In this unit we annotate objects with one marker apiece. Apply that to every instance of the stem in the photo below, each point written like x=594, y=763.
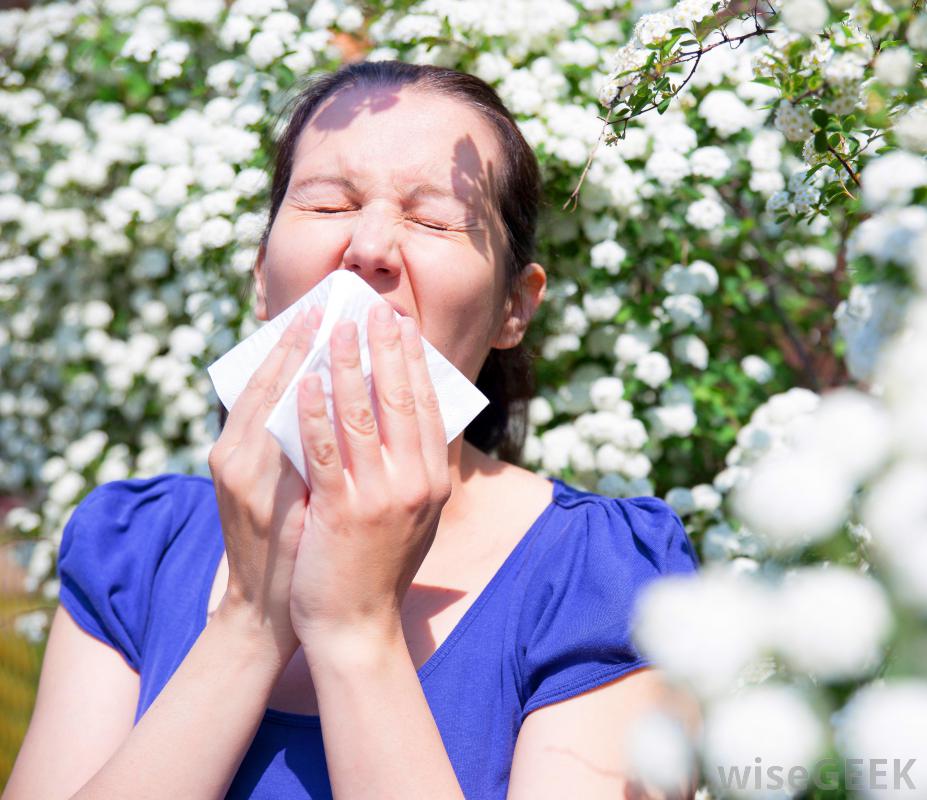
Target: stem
x=574, y=196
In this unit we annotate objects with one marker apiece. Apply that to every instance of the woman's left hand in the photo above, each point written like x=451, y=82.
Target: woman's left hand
x=377, y=488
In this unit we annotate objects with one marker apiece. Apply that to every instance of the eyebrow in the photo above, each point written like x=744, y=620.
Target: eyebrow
x=419, y=190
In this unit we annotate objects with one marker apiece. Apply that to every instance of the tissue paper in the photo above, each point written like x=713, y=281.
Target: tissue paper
x=343, y=295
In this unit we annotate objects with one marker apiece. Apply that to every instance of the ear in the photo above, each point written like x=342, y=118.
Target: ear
x=260, y=306
x=521, y=306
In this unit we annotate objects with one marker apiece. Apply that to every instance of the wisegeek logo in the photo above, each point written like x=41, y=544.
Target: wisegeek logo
x=860, y=773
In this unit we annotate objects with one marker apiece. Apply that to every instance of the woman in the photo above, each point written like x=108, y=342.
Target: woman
x=447, y=624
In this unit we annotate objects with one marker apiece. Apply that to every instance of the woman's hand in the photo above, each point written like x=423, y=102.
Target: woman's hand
x=262, y=499
x=378, y=484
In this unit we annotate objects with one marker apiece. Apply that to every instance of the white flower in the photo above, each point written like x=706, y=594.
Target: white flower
x=80, y=453
x=607, y=393
x=699, y=277
x=710, y=162
x=772, y=723
x=804, y=16
x=887, y=721
x=756, y=368
x=653, y=28
x=673, y=419
x=264, y=48
x=889, y=179
x=668, y=167
x=794, y=121
x=97, y=314
x=894, y=66
x=660, y=753
x=65, y=490
x=691, y=350
x=540, y=411
x=705, y=214
x=216, y=232
x=204, y=11
x=602, y=305
x=636, y=341
x=727, y=114
x=793, y=499
x=608, y=255
x=683, y=309
x=917, y=32
x=911, y=127
x=831, y=621
x=653, y=369
x=702, y=629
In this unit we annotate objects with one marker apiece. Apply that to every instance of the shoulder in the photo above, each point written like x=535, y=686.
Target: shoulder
x=154, y=507
x=641, y=535
x=111, y=549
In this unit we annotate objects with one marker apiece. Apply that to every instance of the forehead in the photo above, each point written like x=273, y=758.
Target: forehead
x=400, y=137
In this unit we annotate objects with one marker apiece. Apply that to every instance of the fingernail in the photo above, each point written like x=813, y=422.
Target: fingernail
x=347, y=330
x=383, y=312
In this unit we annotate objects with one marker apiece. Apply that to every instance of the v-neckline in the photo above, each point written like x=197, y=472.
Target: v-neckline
x=314, y=720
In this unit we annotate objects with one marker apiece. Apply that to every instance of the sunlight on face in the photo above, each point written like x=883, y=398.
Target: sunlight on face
x=396, y=185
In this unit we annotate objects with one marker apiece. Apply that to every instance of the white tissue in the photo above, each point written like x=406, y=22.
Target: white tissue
x=343, y=295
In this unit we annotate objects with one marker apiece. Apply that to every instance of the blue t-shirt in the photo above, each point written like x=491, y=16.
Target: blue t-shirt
x=138, y=558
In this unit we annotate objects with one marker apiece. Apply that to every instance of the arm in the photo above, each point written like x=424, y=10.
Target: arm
x=193, y=737
x=376, y=721
x=578, y=747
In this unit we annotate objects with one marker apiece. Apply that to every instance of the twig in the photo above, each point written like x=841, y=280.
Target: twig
x=846, y=166
x=574, y=196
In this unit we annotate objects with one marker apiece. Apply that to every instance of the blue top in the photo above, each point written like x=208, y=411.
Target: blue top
x=138, y=558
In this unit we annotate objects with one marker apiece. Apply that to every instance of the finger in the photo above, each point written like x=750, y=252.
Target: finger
x=395, y=399
x=320, y=448
x=353, y=410
x=266, y=385
x=427, y=410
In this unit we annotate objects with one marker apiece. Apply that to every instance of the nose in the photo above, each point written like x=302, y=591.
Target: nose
x=373, y=250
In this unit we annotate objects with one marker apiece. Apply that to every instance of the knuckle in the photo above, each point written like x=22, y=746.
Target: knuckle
x=273, y=392
x=415, y=497
x=401, y=399
x=390, y=341
x=359, y=420
x=349, y=360
x=323, y=453
x=428, y=399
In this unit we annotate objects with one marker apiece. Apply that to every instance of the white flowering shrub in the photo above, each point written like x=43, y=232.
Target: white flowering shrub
x=735, y=236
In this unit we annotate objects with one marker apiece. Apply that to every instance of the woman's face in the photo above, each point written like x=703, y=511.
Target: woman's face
x=396, y=185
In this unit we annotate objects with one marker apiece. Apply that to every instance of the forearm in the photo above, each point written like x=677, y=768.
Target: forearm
x=381, y=740
x=191, y=740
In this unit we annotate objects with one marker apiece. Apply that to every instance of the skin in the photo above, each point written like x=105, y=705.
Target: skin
x=437, y=259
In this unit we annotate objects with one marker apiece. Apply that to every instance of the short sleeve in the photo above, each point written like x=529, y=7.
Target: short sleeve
x=574, y=629
x=110, y=549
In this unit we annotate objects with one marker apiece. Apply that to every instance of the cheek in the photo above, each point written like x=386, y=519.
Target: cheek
x=298, y=257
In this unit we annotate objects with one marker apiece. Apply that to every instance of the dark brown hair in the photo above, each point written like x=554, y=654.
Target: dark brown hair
x=507, y=376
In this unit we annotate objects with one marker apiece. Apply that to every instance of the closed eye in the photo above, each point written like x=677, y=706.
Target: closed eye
x=430, y=225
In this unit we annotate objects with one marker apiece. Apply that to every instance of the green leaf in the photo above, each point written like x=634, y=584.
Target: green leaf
x=820, y=116
x=663, y=106
x=820, y=142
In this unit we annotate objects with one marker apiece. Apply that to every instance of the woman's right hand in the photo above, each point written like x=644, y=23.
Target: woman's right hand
x=261, y=496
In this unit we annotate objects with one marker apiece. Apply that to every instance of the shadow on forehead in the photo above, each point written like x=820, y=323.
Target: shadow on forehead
x=472, y=183
x=476, y=188
x=351, y=101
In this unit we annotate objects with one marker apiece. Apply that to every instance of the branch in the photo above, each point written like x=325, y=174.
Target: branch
x=574, y=196
x=734, y=9
x=846, y=166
